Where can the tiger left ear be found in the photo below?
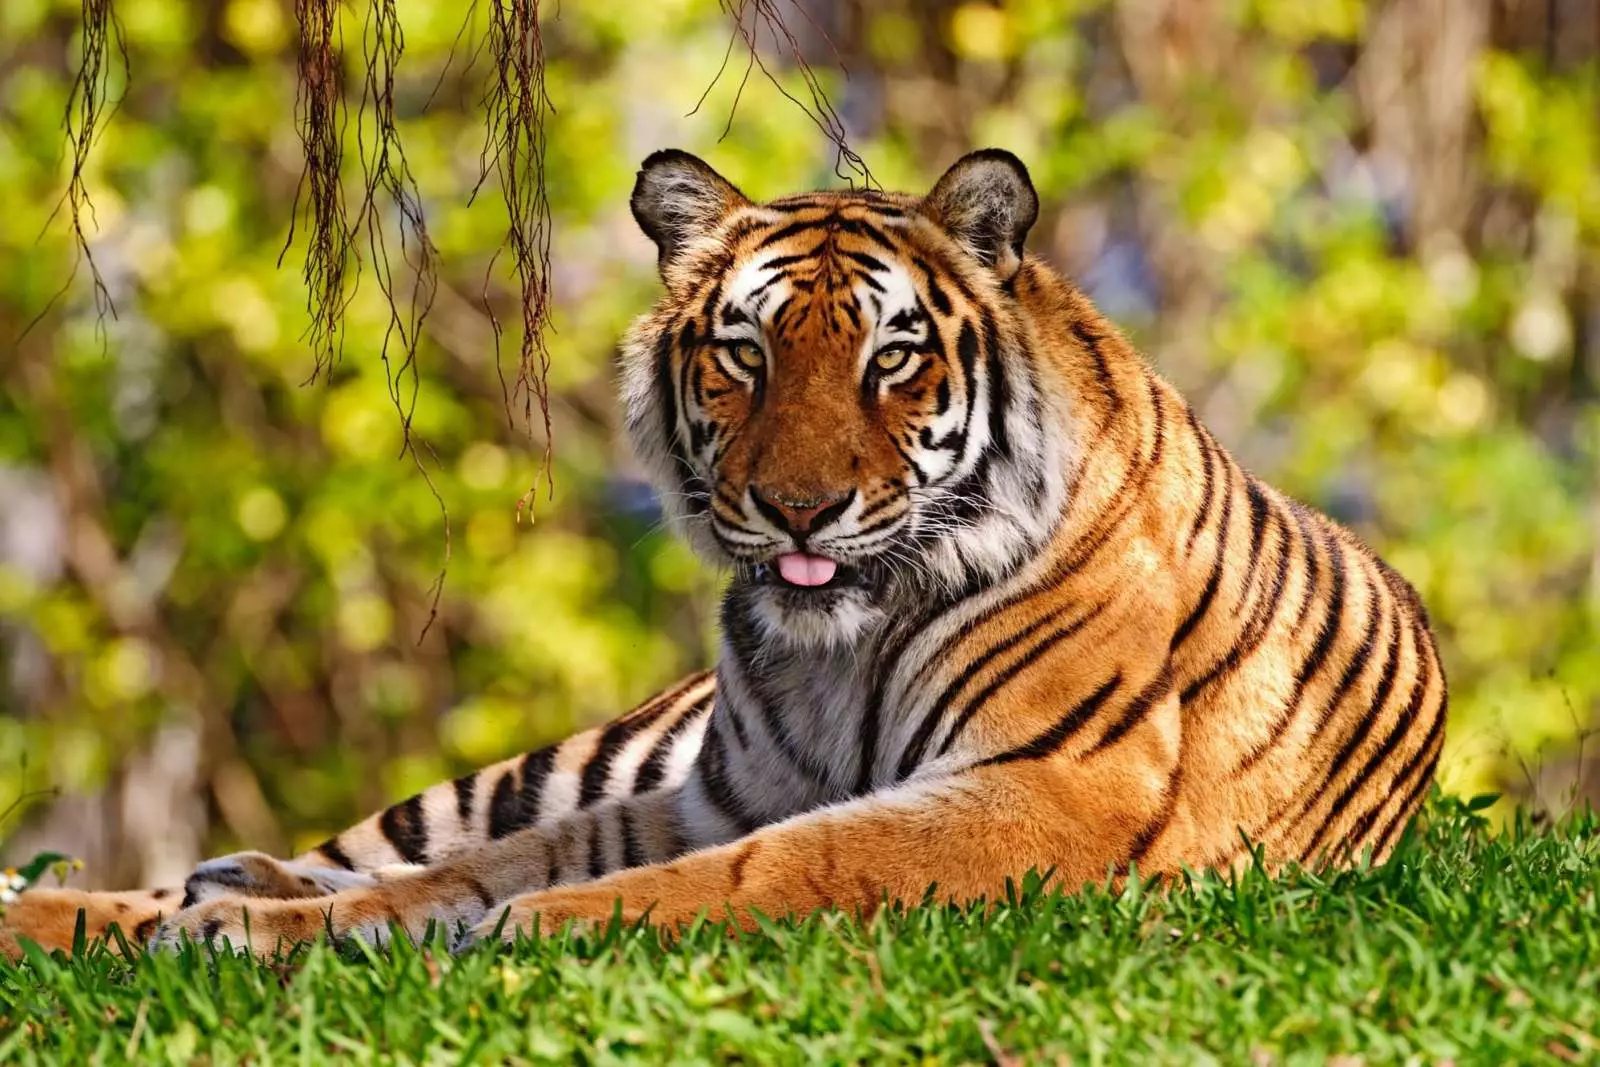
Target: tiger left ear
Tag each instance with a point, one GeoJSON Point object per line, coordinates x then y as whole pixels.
{"type": "Point", "coordinates": [987, 203]}
{"type": "Point", "coordinates": [678, 197]}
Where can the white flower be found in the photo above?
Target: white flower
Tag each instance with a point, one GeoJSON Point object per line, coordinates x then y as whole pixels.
{"type": "Point", "coordinates": [8, 896]}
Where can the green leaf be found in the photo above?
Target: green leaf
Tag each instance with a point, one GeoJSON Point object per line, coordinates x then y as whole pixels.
{"type": "Point", "coordinates": [35, 868]}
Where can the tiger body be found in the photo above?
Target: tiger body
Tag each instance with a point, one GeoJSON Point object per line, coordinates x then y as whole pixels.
{"type": "Point", "coordinates": [1000, 603]}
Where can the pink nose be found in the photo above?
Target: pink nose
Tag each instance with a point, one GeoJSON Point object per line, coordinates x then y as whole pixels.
{"type": "Point", "coordinates": [799, 514]}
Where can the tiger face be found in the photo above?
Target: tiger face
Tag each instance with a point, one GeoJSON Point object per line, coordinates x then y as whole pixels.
{"type": "Point", "coordinates": [835, 396]}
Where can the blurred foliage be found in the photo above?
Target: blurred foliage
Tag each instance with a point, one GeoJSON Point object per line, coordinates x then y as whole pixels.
{"type": "Point", "coordinates": [1364, 238]}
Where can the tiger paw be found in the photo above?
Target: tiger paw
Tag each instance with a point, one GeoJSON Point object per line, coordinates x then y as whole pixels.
{"type": "Point", "coordinates": [262, 926]}
{"type": "Point", "coordinates": [268, 926]}
{"type": "Point", "coordinates": [259, 876]}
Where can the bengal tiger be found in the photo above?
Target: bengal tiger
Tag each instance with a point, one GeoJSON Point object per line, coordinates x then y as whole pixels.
{"type": "Point", "coordinates": [999, 602]}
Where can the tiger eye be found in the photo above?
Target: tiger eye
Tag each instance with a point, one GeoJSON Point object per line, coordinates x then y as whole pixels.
{"type": "Point", "coordinates": [891, 359]}
{"type": "Point", "coordinates": [748, 356]}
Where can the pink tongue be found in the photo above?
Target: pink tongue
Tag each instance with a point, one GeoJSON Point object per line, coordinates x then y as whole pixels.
{"type": "Point", "coordinates": [798, 568]}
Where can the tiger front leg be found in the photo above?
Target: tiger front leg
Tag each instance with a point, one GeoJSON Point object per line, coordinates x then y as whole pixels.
{"type": "Point", "coordinates": [964, 836]}
{"type": "Point", "coordinates": [453, 895]}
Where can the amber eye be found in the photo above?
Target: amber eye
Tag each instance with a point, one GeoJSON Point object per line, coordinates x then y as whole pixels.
{"type": "Point", "coordinates": [888, 360]}
{"type": "Point", "coordinates": [748, 355]}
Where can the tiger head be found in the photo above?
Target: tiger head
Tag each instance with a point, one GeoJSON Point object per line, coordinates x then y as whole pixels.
{"type": "Point", "coordinates": [837, 394]}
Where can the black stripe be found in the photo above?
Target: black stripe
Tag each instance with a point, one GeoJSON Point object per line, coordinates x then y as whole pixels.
{"type": "Point", "coordinates": [1358, 659]}
{"type": "Point", "coordinates": [863, 228]}
{"type": "Point", "coordinates": [480, 891]}
{"type": "Point", "coordinates": [1304, 520]}
{"type": "Point", "coordinates": [1330, 622]}
{"type": "Point", "coordinates": [1358, 736]}
{"type": "Point", "coordinates": [735, 233]}
{"type": "Point", "coordinates": [1137, 709]}
{"type": "Point", "coordinates": [1259, 621]}
{"type": "Point", "coordinates": [1314, 663]}
{"type": "Point", "coordinates": [552, 865]}
{"type": "Point", "coordinates": [936, 293]}
{"type": "Point", "coordinates": [654, 767]}
{"type": "Point", "coordinates": [1125, 500]}
{"type": "Point", "coordinates": [465, 786]}
{"type": "Point", "coordinates": [1016, 667]}
{"type": "Point", "coordinates": [597, 859]}
{"type": "Point", "coordinates": [888, 500]}
{"type": "Point", "coordinates": [908, 626]}
{"type": "Point", "coordinates": [667, 401]}
{"type": "Point", "coordinates": [335, 855]}
{"type": "Point", "coordinates": [504, 812]}
{"type": "Point", "coordinates": [708, 309]}
{"type": "Point", "coordinates": [687, 342]}
{"type": "Point", "coordinates": [597, 771]}
{"type": "Point", "coordinates": [930, 721]}
{"type": "Point", "coordinates": [1158, 409]}
{"type": "Point", "coordinates": [967, 353]}
{"type": "Point", "coordinates": [1424, 759]}
{"type": "Point", "coordinates": [779, 262]}
{"type": "Point", "coordinates": [758, 294]}
{"type": "Point", "coordinates": [736, 720]}
{"type": "Point", "coordinates": [632, 852]}
{"type": "Point", "coordinates": [515, 801]}
{"type": "Point", "coordinates": [807, 202]}
{"type": "Point", "coordinates": [1209, 594]}
{"type": "Point", "coordinates": [1258, 530]}
{"type": "Point", "coordinates": [999, 398]}
{"type": "Point", "coordinates": [867, 261]}
{"type": "Point", "coordinates": [1353, 669]}
{"type": "Point", "coordinates": [1413, 799]}
{"type": "Point", "coordinates": [1050, 742]}
{"type": "Point", "coordinates": [713, 767]}
{"type": "Point", "coordinates": [743, 644]}
{"type": "Point", "coordinates": [1153, 829]}
{"type": "Point", "coordinates": [1385, 750]}
{"type": "Point", "coordinates": [536, 769]}
{"type": "Point", "coordinates": [1102, 368]}
{"type": "Point", "coordinates": [407, 829]}
{"type": "Point", "coordinates": [867, 741]}
{"type": "Point", "coordinates": [917, 473]}
{"type": "Point", "coordinates": [1207, 485]}
{"type": "Point", "coordinates": [908, 319]}
{"type": "Point", "coordinates": [783, 233]}
{"type": "Point", "coordinates": [780, 313]}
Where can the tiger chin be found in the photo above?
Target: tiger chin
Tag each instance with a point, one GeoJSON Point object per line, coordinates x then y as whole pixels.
{"type": "Point", "coordinates": [999, 602]}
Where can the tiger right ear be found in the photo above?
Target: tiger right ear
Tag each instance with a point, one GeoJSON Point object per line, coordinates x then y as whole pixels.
{"type": "Point", "coordinates": [678, 197]}
{"type": "Point", "coordinates": [987, 203]}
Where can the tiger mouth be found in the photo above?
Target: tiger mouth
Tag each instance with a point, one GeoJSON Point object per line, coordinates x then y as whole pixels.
{"type": "Point", "coordinates": [865, 575]}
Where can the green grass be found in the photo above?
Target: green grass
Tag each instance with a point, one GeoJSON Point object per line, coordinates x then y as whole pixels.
{"type": "Point", "coordinates": [1470, 946]}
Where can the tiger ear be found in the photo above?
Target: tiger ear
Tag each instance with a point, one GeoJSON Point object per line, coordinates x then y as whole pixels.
{"type": "Point", "coordinates": [678, 197]}
{"type": "Point", "coordinates": [987, 203]}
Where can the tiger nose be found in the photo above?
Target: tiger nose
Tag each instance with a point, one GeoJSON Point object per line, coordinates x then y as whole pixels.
{"type": "Point", "coordinates": [800, 514]}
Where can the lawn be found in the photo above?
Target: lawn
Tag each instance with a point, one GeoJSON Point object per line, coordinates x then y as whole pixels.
{"type": "Point", "coordinates": [1468, 947]}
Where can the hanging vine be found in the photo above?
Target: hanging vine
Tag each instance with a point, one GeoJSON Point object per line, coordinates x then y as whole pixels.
{"type": "Point", "coordinates": [101, 44]}
{"type": "Point", "coordinates": [516, 106]}
{"type": "Point", "coordinates": [388, 207]}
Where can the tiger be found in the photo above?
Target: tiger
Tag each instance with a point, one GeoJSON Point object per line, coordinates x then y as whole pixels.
{"type": "Point", "coordinates": [997, 602]}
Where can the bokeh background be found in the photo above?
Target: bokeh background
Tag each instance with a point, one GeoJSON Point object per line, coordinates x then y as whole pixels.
{"type": "Point", "coordinates": [1363, 237]}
